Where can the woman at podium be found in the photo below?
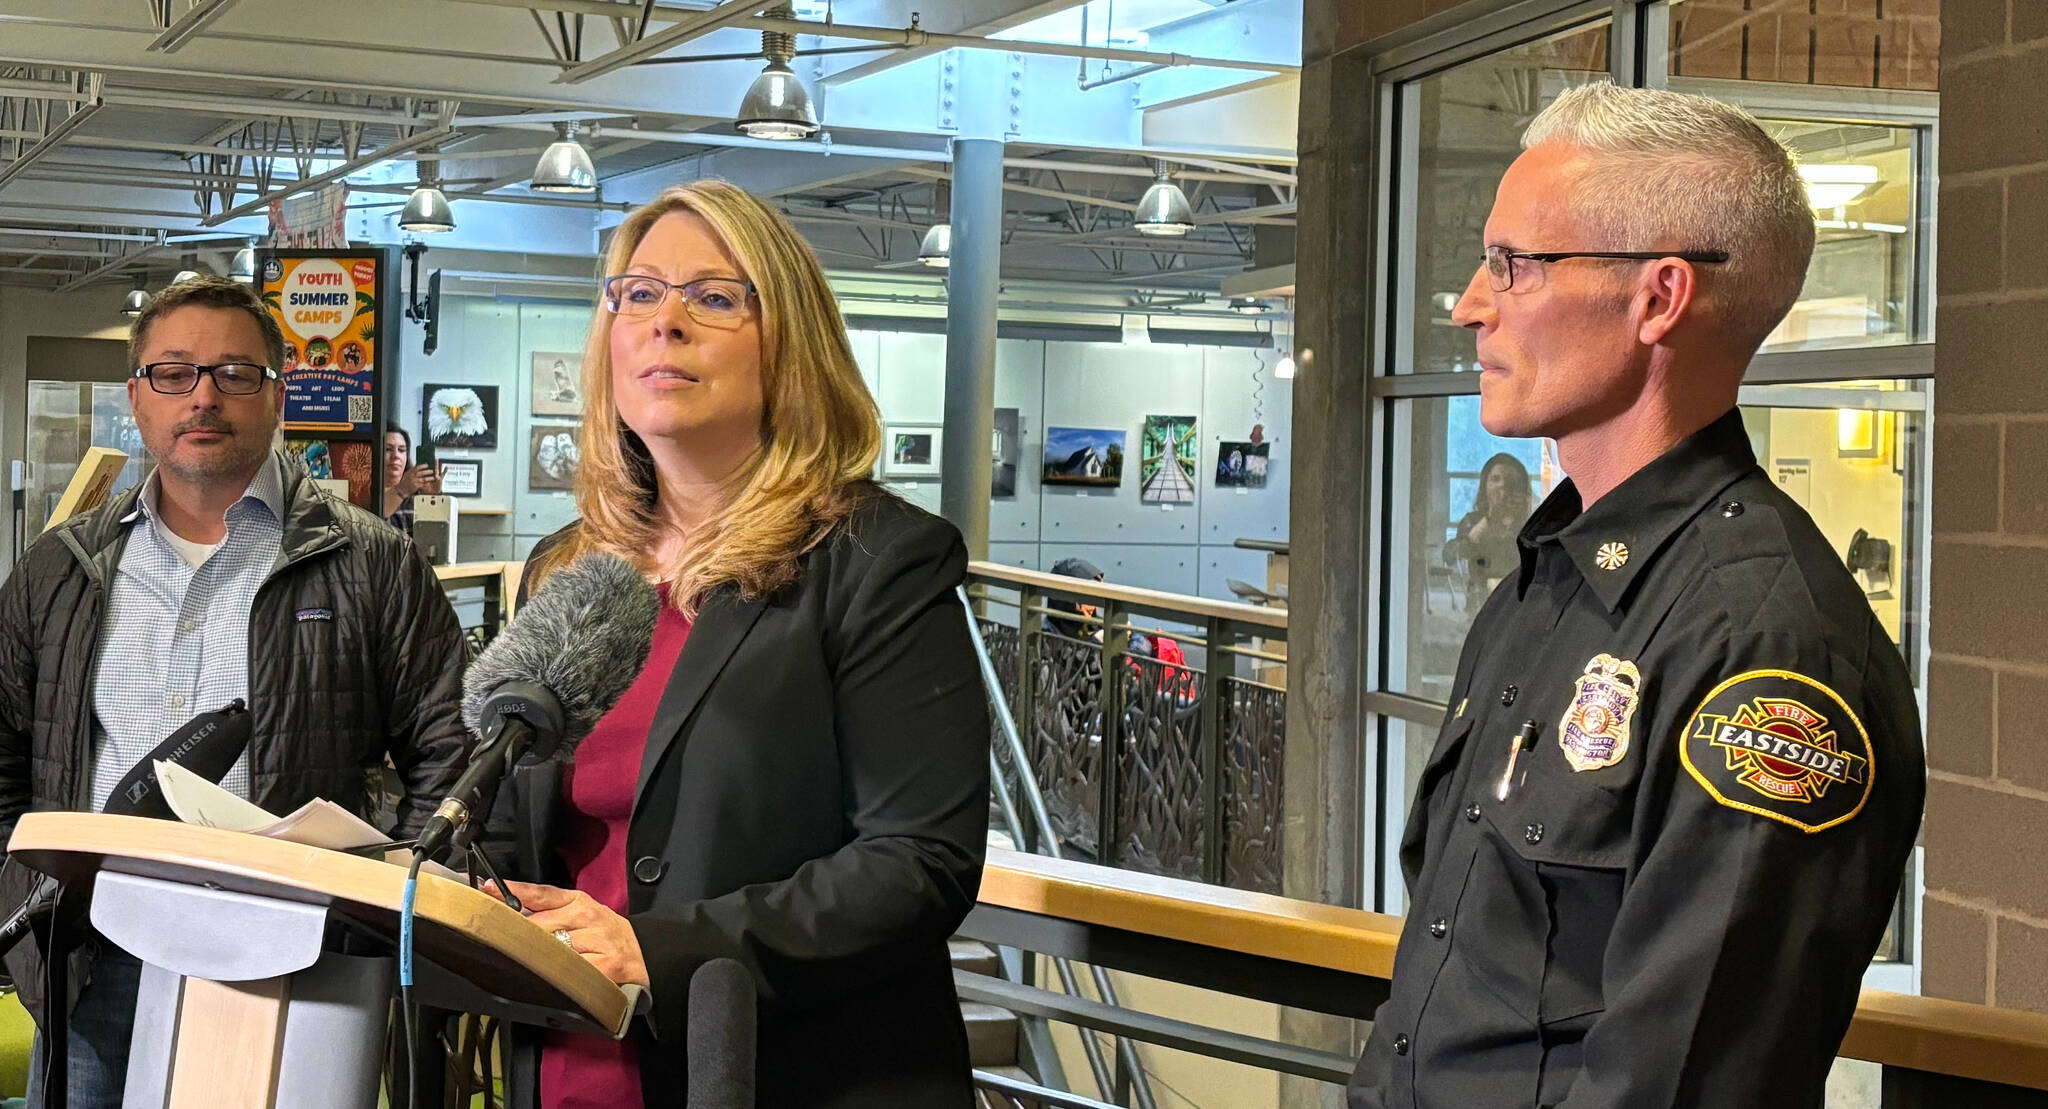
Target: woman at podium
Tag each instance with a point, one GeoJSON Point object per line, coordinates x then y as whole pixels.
{"type": "Point", "coordinates": [798, 778]}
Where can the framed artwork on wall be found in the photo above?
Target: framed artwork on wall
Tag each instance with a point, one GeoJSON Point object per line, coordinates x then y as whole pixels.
{"type": "Point", "coordinates": [462, 477]}
{"type": "Point", "coordinates": [1084, 456]}
{"type": "Point", "coordinates": [911, 450]}
{"type": "Point", "coordinates": [557, 383]}
{"type": "Point", "coordinates": [1167, 459]}
{"type": "Point", "coordinates": [1241, 464]}
{"type": "Point", "coordinates": [1003, 452]}
{"type": "Point", "coordinates": [461, 415]}
{"type": "Point", "coordinates": [552, 457]}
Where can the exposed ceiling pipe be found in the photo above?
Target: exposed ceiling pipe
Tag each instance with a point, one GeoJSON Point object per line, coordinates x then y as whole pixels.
{"type": "Point", "coordinates": [918, 36]}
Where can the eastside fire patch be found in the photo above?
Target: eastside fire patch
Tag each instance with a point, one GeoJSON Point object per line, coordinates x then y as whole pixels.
{"type": "Point", "coordinates": [1782, 746]}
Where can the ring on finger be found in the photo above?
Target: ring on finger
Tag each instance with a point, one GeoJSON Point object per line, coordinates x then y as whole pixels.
{"type": "Point", "coordinates": [562, 934]}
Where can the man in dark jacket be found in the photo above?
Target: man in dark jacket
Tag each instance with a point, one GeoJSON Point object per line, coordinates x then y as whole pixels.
{"type": "Point", "coordinates": [227, 574]}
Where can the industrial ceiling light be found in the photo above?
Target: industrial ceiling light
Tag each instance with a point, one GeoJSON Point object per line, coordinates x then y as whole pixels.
{"type": "Point", "coordinates": [565, 166]}
{"type": "Point", "coordinates": [1285, 369]}
{"type": "Point", "coordinates": [136, 300]}
{"type": "Point", "coordinates": [427, 211]}
{"type": "Point", "coordinates": [185, 275]}
{"type": "Point", "coordinates": [1247, 306]}
{"type": "Point", "coordinates": [1164, 209]}
{"type": "Point", "coordinates": [243, 267]}
{"type": "Point", "coordinates": [937, 249]}
{"type": "Point", "coordinates": [1837, 186]}
{"type": "Point", "coordinates": [776, 105]}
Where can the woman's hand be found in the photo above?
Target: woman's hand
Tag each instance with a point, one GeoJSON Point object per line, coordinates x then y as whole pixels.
{"type": "Point", "coordinates": [427, 479]}
{"type": "Point", "coordinates": [595, 932]}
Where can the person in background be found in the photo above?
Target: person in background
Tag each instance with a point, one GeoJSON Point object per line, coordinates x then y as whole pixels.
{"type": "Point", "coordinates": [1485, 542]}
{"type": "Point", "coordinates": [402, 479]}
{"type": "Point", "coordinates": [227, 573]}
{"type": "Point", "coordinates": [798, 777]}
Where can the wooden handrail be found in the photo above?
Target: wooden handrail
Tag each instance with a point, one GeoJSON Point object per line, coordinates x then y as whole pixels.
{"type": "Point", "coordinates": [1349, 940]}
{"type": "Point", "coordinates": [2004, 1046]}
{"type": "Point", "coordinates": [1181, 603]}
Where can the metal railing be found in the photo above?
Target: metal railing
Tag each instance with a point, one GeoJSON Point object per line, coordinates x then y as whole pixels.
{"type": "Point", "coordinates": [1154, 723]}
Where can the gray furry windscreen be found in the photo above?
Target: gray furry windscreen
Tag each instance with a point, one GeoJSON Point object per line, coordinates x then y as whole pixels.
{"type": "Point", "coordinates": [584, 635]}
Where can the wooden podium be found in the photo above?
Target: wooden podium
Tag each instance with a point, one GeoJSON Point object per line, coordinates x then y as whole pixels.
{"type": "Point", "coordinates": [268, 967]}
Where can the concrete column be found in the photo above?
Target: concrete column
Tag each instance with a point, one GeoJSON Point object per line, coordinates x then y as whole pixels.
{"type": "Point", "coordinates": [973, 282]}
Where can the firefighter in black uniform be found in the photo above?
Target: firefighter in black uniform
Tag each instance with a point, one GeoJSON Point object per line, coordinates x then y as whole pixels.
{"type": "Point", "coordinates": [1661, 832]}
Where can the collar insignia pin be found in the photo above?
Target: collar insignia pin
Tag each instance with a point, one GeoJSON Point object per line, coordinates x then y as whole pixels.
{"type": "Point", "coordinates": [1611, 556]}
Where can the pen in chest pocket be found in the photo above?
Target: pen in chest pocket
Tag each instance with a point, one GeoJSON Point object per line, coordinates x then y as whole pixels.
{"type": "Point", "coordinates": [1524, 739]}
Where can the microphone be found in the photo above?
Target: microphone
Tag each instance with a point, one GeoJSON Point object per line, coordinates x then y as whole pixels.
{"type": "Point", "coordinates": [564, 661]}
{"type": "Point", "coordinates": [208, 743]}
{"type": "Point", "coordinates": [720, 1043]}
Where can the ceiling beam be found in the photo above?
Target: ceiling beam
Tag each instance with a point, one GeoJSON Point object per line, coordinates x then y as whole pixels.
{"type": "Point", "coordinates": [266, 107]}
{"type": "Point", "coordinates": [185, 28]}
{"type": "Point", "coordinates": [683, 30]}
{"type": "Point", "coordinates": [402, 146]}
{"type": "Point", "coordinates": [113, 266]}
{"type": "Point", "coordinates": [62, 233]}
{"type": "Point", "coordinates": [54, 138]}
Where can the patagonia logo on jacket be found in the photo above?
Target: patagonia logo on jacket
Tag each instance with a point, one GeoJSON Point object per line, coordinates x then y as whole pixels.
{"type": "Point", "coordinates": [306, 614]}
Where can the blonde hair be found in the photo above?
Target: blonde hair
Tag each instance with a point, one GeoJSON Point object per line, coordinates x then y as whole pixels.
{"type": "Point", "coordinates": [1682, 172]}
{"type": "Point", "coordinates": [820, 428]}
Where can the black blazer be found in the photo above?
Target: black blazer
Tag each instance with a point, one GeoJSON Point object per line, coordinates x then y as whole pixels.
{"type": "Point", "coordinates": [813, 801]}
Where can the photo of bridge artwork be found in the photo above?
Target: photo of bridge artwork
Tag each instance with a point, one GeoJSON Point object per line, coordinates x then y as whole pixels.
{"type": "Point", "coordinates": [1084, 456]}
{"type": "Point", "coordinates": [1167, 460]}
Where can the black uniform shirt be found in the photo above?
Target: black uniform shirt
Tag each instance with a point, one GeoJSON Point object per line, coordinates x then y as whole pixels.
{"type": "Point", "coordinates": [1719, 781]}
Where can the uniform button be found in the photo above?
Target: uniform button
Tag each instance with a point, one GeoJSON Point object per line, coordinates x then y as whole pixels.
{"type": "Point", "coordinates": [1472, 813]}
{"type": "Point", "coordinates": [1508, 695]}
{"type": "Point", "coordinates": [1401, 1045]}
{"type": "Point", "coordinates": [1731, 509]}
{"type": "Point", "coordinates": [1439, 927]}
{"type": "Point", "coordinates": [1533, 833]}
{"type": "Point", "coordinates": [177, 700]}
{"type": "Point", "coordinates": [185, 625]}
{"type": "Point", "coordinates": [648, 870]}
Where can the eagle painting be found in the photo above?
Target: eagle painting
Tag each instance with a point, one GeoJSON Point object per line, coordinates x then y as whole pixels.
{"type": "Point", "coordinates": [462, 416]}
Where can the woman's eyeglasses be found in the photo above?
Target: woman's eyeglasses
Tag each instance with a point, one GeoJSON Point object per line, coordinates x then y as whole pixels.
{"type": "Point", "coordinates": [712, 301]}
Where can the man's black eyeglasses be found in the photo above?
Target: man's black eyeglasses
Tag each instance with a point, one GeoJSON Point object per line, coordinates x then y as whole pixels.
{"type": "Point", "coordinates": [1500, 261]}
{"type": "Point", "coordinates": [235, 379]}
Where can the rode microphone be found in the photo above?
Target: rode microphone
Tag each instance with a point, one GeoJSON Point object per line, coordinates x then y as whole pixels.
{"type": "Point", "coordinates": [564, 661]}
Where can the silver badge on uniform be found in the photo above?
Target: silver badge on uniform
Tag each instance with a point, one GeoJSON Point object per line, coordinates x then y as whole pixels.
{"type": "Point", "coordinates": [1594, 732]}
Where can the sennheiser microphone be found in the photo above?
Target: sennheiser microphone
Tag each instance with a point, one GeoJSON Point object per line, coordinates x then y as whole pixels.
{"type": "Point", "coordinates": [208, 744]}
{"type": "Point", "coordinates": [564, 661]}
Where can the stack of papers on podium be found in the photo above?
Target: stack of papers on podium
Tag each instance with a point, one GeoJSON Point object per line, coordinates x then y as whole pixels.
{"type": "Point", "coordinates": [318, 823]}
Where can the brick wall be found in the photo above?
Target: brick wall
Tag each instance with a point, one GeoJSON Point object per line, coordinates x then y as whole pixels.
{"type": "Point", "coordinates": [1985, 930]}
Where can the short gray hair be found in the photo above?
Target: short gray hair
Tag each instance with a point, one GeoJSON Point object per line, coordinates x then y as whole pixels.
{"type": "Point", "coordinates": [1680, 172]}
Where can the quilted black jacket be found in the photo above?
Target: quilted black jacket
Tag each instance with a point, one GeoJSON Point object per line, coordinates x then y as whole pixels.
{"type": "Point", "coordinates": [331, 698]}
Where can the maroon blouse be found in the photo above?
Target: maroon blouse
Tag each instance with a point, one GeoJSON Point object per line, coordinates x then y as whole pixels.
{"type": "Point", "coordinates": [592, 1072]}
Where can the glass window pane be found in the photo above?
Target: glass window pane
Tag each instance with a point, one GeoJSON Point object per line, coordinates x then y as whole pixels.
{"type": "Point", "coordinates": [1451, 537]}
{"type": "Point", "coordinates": [1896, 45]}
{"type": "Point", "coordinates": [1862, 283]}
{"type": "Point", "coordinates": [1854, 454]}
{"type": "Point", "coordinates": [1460, 130]}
